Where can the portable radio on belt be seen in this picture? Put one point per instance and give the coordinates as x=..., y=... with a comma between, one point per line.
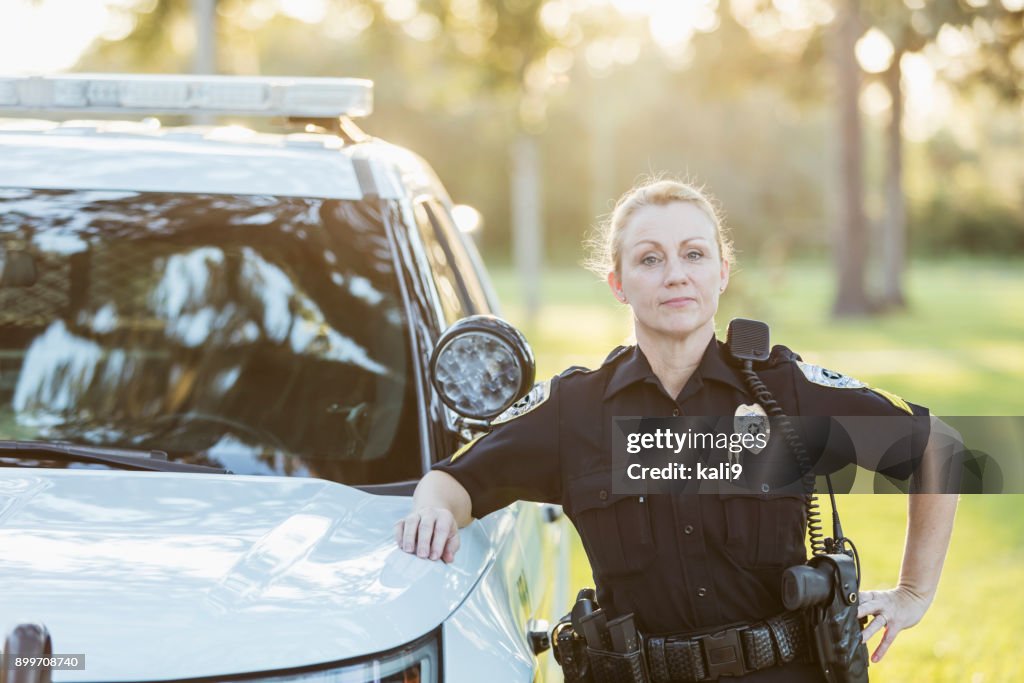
x=827, y=587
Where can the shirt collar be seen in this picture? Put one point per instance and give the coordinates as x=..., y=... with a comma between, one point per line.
x=713, y=366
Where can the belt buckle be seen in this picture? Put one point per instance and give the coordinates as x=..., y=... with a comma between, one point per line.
x=723, y=653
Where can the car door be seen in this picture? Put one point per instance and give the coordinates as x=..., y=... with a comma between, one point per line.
x=535, y=563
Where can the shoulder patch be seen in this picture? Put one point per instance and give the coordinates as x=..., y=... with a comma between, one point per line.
x=465, y=447
x=831, y=378
x=828, y=378
x=893, y=399
x=535, y=397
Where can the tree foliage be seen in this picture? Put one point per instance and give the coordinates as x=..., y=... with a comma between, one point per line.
x=746, y=106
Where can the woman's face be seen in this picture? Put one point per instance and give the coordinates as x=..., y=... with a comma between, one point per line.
x=671, y=272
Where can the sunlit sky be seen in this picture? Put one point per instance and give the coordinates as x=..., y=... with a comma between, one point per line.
x=49, y=35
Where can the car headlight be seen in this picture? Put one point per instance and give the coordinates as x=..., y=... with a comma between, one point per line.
x=416, y=662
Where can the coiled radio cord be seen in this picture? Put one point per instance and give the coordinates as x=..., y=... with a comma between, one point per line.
x=764, y=396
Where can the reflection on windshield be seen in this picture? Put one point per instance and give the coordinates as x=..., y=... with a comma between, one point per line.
x=263, y=334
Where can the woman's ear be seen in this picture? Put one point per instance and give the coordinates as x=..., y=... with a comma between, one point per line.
x=725, y=276
x=615, y=284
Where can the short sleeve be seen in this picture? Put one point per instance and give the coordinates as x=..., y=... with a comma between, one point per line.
x=893, y=446
x=517, y=460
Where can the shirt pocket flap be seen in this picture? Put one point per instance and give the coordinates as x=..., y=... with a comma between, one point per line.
x=615, y=527
x=594, y=491
x=764, y=530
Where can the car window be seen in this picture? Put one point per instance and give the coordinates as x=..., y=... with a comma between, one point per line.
x=455, y=298
x=470, y=288
x=263, y=334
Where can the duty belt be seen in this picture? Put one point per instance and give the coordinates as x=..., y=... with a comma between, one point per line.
x=730, y=652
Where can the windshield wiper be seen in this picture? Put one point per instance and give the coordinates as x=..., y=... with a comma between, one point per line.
x=119, y=458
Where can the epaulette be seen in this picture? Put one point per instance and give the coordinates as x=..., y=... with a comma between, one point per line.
x=782, y=354
x=616, y=353
x=573, y=369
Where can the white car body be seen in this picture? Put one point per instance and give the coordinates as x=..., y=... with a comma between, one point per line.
x=166, y=576
x=163, y=576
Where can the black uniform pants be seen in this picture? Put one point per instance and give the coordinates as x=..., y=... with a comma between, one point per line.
x=796, y=672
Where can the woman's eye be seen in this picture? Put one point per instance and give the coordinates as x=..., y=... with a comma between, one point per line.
x=649, y=260
x=694, y=255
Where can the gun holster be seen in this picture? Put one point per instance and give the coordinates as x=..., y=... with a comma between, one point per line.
x=835, y=628
x=583, y=663
x=570, y=652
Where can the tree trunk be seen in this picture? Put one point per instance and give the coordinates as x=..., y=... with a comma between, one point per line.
x=603, y=191
x=850, y=243
x=894, y=235
x=527, y=229
x=204, y=60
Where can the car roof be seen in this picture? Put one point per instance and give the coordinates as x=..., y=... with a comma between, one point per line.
x=148, y=157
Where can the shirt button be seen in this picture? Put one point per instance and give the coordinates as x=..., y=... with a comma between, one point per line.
x=687, y=529
x=675, y=412
x=701, y=592
x=603, y=495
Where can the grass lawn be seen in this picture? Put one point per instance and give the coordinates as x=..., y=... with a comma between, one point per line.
x=959, y=350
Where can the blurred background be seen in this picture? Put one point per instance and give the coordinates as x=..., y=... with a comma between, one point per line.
x=868, y=157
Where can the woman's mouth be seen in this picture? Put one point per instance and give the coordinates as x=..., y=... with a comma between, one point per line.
x=679, y=302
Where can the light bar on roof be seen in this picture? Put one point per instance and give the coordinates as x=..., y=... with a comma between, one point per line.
x=262, y=96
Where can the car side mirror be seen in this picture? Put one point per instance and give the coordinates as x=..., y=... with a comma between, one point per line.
x=480, y=366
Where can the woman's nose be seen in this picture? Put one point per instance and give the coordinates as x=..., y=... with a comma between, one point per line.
x=677, y=272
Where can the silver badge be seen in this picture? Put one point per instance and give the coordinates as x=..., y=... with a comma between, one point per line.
x=751, y=419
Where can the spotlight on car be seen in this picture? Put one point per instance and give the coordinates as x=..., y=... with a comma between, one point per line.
x=480, y=366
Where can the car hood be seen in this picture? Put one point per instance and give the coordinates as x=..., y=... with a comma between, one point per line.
x=165, y=576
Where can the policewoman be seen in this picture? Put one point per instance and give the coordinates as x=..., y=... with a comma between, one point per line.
x=682, y=564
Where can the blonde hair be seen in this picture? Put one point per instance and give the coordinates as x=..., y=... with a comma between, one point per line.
x=605, y=246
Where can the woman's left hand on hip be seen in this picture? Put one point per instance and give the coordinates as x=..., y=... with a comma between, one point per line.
x=893, y=610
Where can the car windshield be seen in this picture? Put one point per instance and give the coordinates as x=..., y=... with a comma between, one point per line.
x=262, y=334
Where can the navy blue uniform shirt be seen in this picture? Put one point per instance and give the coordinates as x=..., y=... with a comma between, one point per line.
x=678, y=562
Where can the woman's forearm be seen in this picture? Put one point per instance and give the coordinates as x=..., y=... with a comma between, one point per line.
x=930, y=515
x=441, y=490
x=929, y=527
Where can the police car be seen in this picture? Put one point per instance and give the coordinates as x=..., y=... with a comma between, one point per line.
x=221, y=378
